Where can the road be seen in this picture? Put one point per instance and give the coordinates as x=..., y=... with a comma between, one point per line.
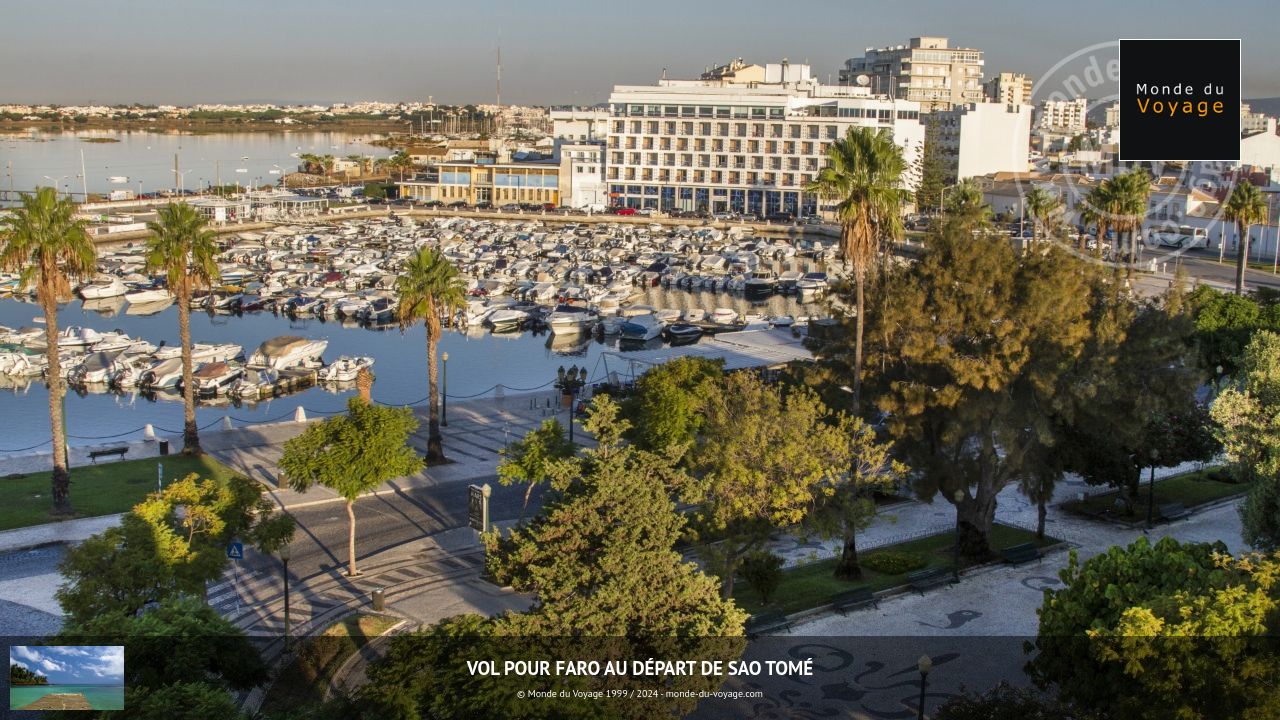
x=1203, y=264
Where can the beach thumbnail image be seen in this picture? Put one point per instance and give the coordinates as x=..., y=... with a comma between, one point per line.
x=66, y=677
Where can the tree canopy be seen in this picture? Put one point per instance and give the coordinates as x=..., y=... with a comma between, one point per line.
x=1250, y=432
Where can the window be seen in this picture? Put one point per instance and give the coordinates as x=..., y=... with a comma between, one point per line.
x=704, y=128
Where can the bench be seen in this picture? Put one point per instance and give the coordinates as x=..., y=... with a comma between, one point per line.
x=1174, y=511
x=107, y=452
x=858, y=597
x=922, y=580
x=767, y=621
x=1018, y=554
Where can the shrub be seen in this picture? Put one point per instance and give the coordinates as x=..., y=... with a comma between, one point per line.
x=762, y=572
x=894, y=562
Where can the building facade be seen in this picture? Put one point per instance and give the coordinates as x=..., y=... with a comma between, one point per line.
x=984, y=138
x=582, y=183
x=1063, y=116
x=474, y=183
x=1009, y=88
x=743, y=138
x=580, y=125
x=925, y=71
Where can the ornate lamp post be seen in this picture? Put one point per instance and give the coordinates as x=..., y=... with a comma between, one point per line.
x=570, y=383
x=924, y=665
x=444, y=391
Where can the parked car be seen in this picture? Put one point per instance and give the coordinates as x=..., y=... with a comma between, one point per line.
x=484, y=206
x=457, y=204
x=780, y=217
x=624, y=211
x=510, y=207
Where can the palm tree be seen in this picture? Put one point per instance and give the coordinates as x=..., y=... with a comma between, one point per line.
x=430, y=290
x=44, y=242
x=965, y=204
x=1097, y=212
x=863, y=176
x=1042, y=206
x=1132, y=190
x=183, y=249
x=1246, y=208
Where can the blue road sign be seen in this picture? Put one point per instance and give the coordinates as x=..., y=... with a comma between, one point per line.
x=235, y=551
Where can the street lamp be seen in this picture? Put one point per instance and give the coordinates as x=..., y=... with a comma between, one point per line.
x=958, y=496
x=444, y=393
x=55, y=181
x=1151, y=486
x=284, y=560
x=569, y=383
x=924, y=665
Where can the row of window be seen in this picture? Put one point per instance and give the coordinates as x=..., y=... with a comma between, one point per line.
x=753, y=147
x=714, y=177
x=699, y=111
x=795, y=131
x=775, y=162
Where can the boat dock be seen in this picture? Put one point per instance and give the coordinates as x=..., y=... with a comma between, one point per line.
x=290, y=380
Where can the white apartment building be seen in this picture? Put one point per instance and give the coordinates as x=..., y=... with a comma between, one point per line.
x=925, y=70
x=984, y=138
x=1063, y=116
x=1009, y=88
x=1113, y=115
x=580, y=125
x=1251, y=122
x=582, y=182
x=743, y=138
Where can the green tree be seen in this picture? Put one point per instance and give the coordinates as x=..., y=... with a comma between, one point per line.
x=933, y=172
x=1131, y=192
x=762, y=572
x=430, y=290
x=1005, y=702
x=863, y=176
x=1044, y=208
x=1097, y=213
x=1245, y=207
x=352, y=454
x=1224, y=324
x=764, y=459
x=1163, y=631
x=171, y=544
x=48, y=247
x=1249, y=418
x=529, y=460
x=183, y=249
x=965, y=205
x=665, y=413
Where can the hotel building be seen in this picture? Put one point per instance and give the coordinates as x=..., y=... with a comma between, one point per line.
x=741, y=138
x=1009, y=88
x=925, y=71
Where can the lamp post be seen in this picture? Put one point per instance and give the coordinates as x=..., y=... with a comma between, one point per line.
x=569, y=383
x=284, y=560
x=444, y=392
x=55, y=181
x=924, y=665
x=1151, y=487
x=958, y=496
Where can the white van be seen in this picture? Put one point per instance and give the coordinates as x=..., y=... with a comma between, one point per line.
x=1182, y=236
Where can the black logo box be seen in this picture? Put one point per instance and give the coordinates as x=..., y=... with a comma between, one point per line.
x=1184, y=64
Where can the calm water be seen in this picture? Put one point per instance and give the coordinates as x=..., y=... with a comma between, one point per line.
x=100, y=697
x=147, y=157
x=477, y=363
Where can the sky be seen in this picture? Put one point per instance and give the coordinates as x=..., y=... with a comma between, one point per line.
x=553, y=52
x=72, y=664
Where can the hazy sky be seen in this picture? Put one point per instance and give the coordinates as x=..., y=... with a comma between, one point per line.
x=553, y=51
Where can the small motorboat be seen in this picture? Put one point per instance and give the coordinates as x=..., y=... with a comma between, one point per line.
x=254, y=383
x=680, y=333
x=103, y=287
x=18, y=364
x=162, y=375
x=213, y=378
x=95, y=368
x=288, y=351
x=145, y=296
x=507, y=319
x=345, y=368
x=570, y=320
x=202, y=352
x=642, y=328
x=151, y=308
x=724, y=316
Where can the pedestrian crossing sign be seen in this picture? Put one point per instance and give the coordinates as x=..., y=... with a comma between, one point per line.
x=235, y=551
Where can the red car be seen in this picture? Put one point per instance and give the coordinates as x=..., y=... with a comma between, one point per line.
x=624, y=211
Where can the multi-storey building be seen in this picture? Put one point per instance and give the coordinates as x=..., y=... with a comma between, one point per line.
x=486, y=181
x=1112, y=119
x=1009, y=88
x=983, y=138
x=579, y=125
x=925, y=71
x=743, y=138
x=1063, y=116
x=582, y=183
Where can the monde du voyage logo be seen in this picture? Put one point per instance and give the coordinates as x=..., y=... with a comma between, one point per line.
x=1179, y=100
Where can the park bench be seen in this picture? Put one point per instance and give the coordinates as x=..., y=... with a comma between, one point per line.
x=107, y=452
x=922, y=580
x=858, y=597
x=1174, y=511
x=1018, y=554
x=767, y=621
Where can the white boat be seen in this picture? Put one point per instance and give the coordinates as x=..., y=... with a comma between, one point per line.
x=118, y=179
x=254, y=383
x=78, y=337
x=16, y=364
x=151, y=308
x=345, y=368
x=812, y=285
x=103, y=287
x=724, y=316
x=611, y=325
x=506, y=319
x=163, y=374
x=202, y=352
x=680, y=333
x=642, y=328
x=214, y=378
x=287, y=351
x=96, y=368
x=570, y=319
x=694, y=315
x=127, y=372
x=667, y=315
x=150, y=295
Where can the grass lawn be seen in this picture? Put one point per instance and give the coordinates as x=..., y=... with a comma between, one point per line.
x=102, y=489
x=812, y=585
x=1190, y=489
x=305, y=679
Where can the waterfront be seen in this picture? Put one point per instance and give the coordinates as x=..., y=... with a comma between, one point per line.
x=99, y=697
x=37, y=157
x=478, y=361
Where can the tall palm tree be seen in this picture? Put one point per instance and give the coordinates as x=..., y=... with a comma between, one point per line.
x=863, y=176
x=1098, y=212
x=44, y=242
x=430, y=290
x=1132, y=192
x=183, y=249
x=1042, y=206
x=1246, y=208
x=965, y=205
